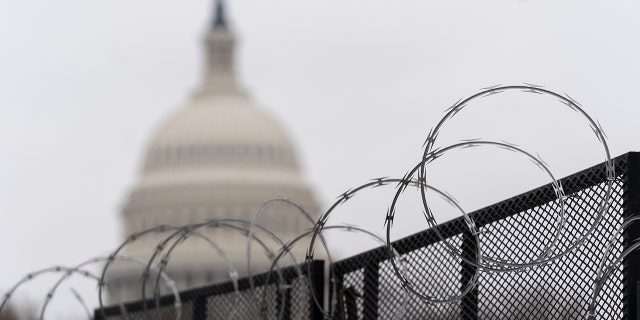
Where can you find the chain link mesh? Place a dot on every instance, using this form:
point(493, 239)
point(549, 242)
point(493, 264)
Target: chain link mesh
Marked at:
point(517, 229)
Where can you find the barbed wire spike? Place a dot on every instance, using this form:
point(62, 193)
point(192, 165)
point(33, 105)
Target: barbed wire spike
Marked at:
point(511, 144)
point(492, 92)
point(380, 181)
point(533, 85)
point(532, 89)
point(345, 196)
point(403, 183)
point(539, 157)
point(596, 131)
point(450, 199)
point(572, 100)
point(610, 171)
point(506, 147)
point(457, 109)
point(601, 129)
point(452, 106)
point(569, 104)
point(431, 137)
point(470, 145)
point(491, 87)
point(435, 154)
point(537, 163)
point(389, 218)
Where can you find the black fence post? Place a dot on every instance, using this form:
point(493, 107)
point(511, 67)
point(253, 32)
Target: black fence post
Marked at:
point(469, 302)
point(638, 294)
point(317, 280)
point(632, 261)
point(370, 290)
point(200, 308)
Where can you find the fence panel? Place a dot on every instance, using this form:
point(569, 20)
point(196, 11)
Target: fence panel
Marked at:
point(518, 229)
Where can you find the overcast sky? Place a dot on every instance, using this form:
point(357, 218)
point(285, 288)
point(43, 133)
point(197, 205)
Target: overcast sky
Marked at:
point(357, 83)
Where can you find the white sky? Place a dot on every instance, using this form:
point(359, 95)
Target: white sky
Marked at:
point(359, 83)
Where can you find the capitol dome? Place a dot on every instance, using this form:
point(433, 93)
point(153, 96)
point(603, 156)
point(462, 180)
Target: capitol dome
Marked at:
point(218, 120)
point(220, 132)
point(219, 156)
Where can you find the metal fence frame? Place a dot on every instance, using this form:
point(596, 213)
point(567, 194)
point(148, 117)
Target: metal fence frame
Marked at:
point(368, 263)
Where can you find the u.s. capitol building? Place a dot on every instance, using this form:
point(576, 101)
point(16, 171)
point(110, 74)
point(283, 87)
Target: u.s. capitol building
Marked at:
point(219, 156)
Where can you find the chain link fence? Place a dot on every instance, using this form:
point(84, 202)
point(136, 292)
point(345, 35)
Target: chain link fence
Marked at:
point(518, 228)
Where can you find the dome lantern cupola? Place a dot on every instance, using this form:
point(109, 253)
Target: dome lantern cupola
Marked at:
point(220, 17)
point(220, 42)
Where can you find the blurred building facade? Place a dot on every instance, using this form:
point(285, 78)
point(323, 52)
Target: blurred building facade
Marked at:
point(220, 156)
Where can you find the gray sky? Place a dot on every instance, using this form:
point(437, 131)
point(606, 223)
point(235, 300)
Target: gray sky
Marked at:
point(359, 83)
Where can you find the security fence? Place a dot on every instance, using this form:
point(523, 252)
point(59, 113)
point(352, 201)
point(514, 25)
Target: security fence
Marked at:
point(557, 290)
point(519, 229)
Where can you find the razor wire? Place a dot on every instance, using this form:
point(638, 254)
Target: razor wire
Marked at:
point(254, 224)
point(418, 177)
point(74, 270)
point(431, 153)
point(160, 274)
point(149, 263)
point(414, 179)
point(35, 274)
point(493, 264)
point(402, 278)
point(285, 248)
point(112, 257)
point(348, 228)
point(167, 280)
point(78, 269)
point(233, 274)
point(189, 230)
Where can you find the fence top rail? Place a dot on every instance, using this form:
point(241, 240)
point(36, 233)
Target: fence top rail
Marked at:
point(573, 183)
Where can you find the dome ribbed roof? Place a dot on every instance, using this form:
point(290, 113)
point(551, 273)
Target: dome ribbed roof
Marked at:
point(220, 131)
point(219, 119)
